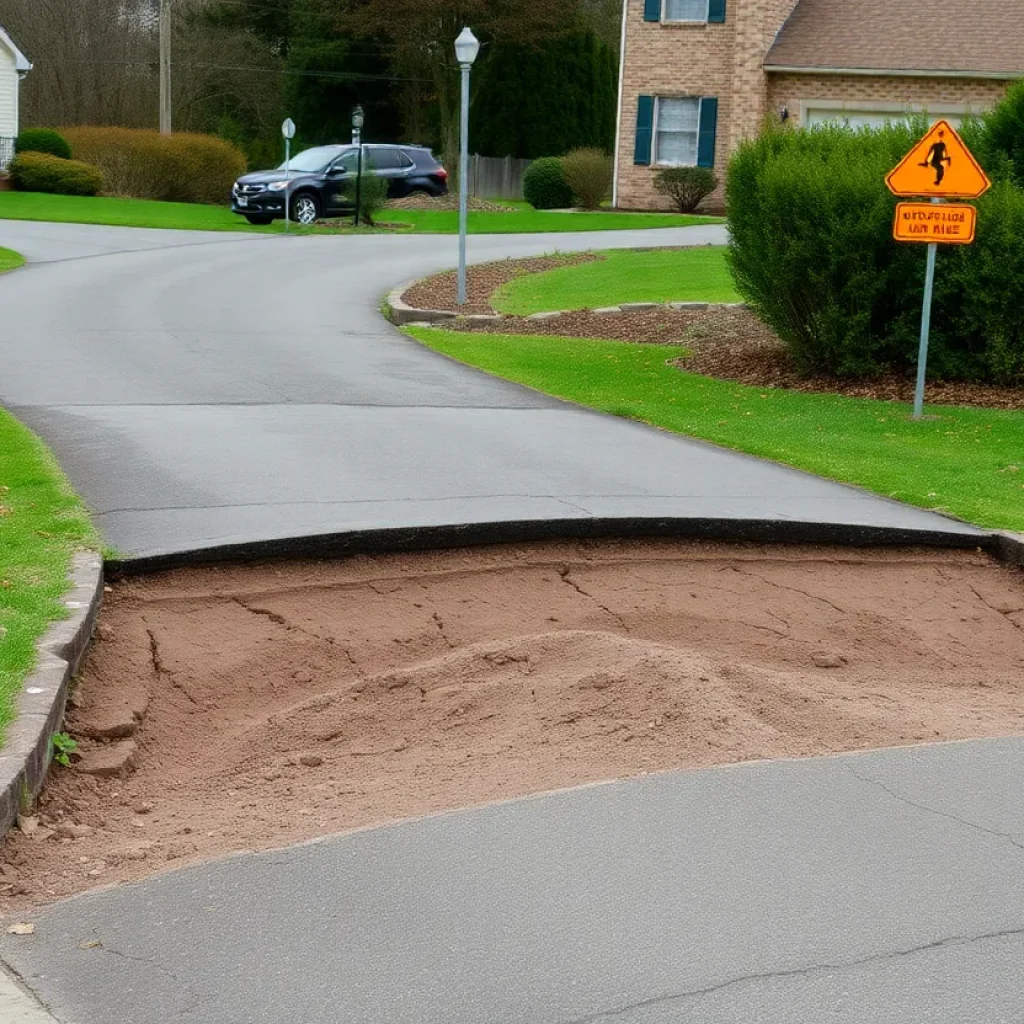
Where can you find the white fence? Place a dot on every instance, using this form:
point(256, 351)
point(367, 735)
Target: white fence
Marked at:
point(6, 152)
point(496, 177)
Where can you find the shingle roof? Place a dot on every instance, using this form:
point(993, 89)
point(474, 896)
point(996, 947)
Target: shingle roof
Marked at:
point(950, 36)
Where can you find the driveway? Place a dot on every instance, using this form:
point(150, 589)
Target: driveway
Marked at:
point(879, 888)
point(209, 389)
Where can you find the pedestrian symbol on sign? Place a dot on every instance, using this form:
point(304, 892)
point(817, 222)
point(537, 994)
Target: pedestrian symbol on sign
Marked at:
point(937, 157)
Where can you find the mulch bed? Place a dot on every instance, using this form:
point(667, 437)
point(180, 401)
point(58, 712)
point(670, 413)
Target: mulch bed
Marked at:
point(441, 291)
point(732, 344)
point(446, 204)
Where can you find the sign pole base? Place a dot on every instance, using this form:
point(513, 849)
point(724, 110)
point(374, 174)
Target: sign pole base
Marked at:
point(926, 326)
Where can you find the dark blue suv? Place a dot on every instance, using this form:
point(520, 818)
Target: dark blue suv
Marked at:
point(320, 182)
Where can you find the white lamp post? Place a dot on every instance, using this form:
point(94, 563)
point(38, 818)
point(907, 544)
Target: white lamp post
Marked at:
point(467, 48)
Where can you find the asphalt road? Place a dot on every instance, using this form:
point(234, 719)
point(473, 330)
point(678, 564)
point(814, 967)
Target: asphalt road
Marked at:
point(206, 389)
point(880, 888)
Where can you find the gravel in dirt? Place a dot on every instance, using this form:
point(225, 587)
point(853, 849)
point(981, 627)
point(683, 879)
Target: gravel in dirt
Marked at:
point(288, 701)
point(441, 290)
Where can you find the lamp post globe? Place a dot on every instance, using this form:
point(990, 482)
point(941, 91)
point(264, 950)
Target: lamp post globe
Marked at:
point(467, 47)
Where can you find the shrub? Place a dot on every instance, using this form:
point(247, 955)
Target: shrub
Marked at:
point(686, 186)
point(588, 173)
point(811, 244)
point(40, 172)
point(812, 253)
point(144, 164)
point(42, 140)
point(999, 138)
point(373, 194)
point(544, 185)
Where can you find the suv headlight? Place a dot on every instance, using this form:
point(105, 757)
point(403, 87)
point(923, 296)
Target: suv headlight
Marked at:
point(278, 186)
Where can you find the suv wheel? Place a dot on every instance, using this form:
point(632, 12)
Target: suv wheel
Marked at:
point(305, 209)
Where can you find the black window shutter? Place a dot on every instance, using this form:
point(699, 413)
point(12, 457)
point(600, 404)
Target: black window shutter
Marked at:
point(716, 10)
point(644, 131)
point(707, 132)
point(652, 10)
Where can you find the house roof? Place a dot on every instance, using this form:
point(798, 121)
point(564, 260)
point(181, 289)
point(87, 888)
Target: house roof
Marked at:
point(984, 38)
point(21, 62)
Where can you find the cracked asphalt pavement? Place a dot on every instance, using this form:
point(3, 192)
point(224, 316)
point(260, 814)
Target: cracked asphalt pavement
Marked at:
point(876, 888)
point(210, 389)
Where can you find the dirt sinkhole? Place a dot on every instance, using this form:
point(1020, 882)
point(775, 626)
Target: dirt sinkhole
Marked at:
point(240, 708)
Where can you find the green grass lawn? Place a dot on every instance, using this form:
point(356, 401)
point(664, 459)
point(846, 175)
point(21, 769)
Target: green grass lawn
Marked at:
point(145, 213)
point(42, 523)
point(967, 462)
point(653, 275)
point(529, 221)
point(10, 260)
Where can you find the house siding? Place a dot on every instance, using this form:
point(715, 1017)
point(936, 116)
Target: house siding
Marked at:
point(727, 61)
point(719, 60)
point(8, 94)
point(800, 93)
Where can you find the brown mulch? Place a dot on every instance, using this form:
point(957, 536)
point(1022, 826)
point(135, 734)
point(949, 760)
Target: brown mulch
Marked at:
point(447, 204)
point(732, 344)
point(270, 704)
point(441, 290)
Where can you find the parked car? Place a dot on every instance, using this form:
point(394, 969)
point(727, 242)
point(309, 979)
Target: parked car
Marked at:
point(320, 182)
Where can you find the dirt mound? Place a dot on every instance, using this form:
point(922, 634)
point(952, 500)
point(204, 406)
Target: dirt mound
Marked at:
point(448, 203)
point(252, 707)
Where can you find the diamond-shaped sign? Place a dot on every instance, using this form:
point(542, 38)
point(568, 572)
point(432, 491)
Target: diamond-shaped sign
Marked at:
point(940, 166)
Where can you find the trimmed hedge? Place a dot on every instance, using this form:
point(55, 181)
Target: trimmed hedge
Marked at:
point(812, 253)
point(40, 172)
point(544, 185)
point(143, 164)
point(42, 140)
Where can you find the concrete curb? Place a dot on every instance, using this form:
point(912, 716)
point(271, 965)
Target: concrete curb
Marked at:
point(18, 1005)
point(441, 537)
point(25, 757)
point(401, 314)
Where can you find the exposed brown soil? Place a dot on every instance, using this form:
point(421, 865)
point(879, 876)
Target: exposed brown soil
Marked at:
point(271, 704)
point(441, 290)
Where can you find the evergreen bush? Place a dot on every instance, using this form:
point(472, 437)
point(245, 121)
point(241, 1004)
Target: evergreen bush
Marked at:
point(812, 253)
point(373, 194)
point(42, 140)
point(544, 185)
point(588, 173)
point(41, 172)
point(686, 186)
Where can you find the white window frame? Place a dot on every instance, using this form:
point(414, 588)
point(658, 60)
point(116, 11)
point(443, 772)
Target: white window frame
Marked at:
point(655, 155)
point(685, 21)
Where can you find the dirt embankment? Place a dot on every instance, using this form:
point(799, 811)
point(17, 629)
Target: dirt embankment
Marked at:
point(259, 706)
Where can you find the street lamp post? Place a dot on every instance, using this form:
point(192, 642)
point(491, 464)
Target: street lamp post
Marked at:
point(467, 49)
point(358, 120)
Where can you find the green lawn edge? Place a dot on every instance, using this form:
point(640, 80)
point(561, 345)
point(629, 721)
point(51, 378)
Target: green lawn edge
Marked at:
point(10, 260)
point(966, 463)
point(146, 213)
point(42, 524)
point(696, 274)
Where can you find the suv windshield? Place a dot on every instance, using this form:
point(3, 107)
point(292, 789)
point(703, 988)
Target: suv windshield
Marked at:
point(312, 160)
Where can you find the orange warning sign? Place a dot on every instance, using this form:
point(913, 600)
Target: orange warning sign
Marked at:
point(945, 223)
point(940, 165)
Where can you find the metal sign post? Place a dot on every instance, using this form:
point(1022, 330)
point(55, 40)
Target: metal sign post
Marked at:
point(288, 131)
point(940, 167)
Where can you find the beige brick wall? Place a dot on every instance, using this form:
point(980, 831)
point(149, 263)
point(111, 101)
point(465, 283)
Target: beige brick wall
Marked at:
point(727, 60)
point(721, 60)
point(799, 92)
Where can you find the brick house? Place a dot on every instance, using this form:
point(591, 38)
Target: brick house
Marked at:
point(699, 76)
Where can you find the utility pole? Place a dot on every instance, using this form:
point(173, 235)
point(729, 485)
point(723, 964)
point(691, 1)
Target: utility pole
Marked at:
point(165, 67)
